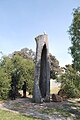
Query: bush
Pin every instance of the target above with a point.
(70, 82)
(22, 70)
(4, 85)
(71, 90)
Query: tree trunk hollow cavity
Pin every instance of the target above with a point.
(43, 72)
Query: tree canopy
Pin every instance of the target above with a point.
(74, 31)
(22, 69)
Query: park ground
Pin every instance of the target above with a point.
(25, 109)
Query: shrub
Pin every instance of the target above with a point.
(70, 82)
(71, 90)
(4, 85)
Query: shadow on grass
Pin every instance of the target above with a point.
(25, 106)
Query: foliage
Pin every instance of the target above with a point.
(25, 71)
(31, 55)
(5, 78)
(54, 67)
(4, 84)
(71, 78)
(74, 31)
(70, 82)
(17, 66)
(20, 64)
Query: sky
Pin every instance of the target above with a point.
(22, 20)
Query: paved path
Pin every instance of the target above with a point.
(25, 106)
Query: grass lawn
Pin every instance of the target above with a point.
(6, 115)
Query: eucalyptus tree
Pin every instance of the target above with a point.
(74, 32)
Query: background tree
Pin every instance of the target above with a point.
(74, 31)
(70, 79)
(30, 55)
(25, 71)
(70, 82)
(18, 67)
(54, 67)
(5, 77)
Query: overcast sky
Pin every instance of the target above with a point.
(22, 20)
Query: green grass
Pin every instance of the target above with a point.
(6, 115)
